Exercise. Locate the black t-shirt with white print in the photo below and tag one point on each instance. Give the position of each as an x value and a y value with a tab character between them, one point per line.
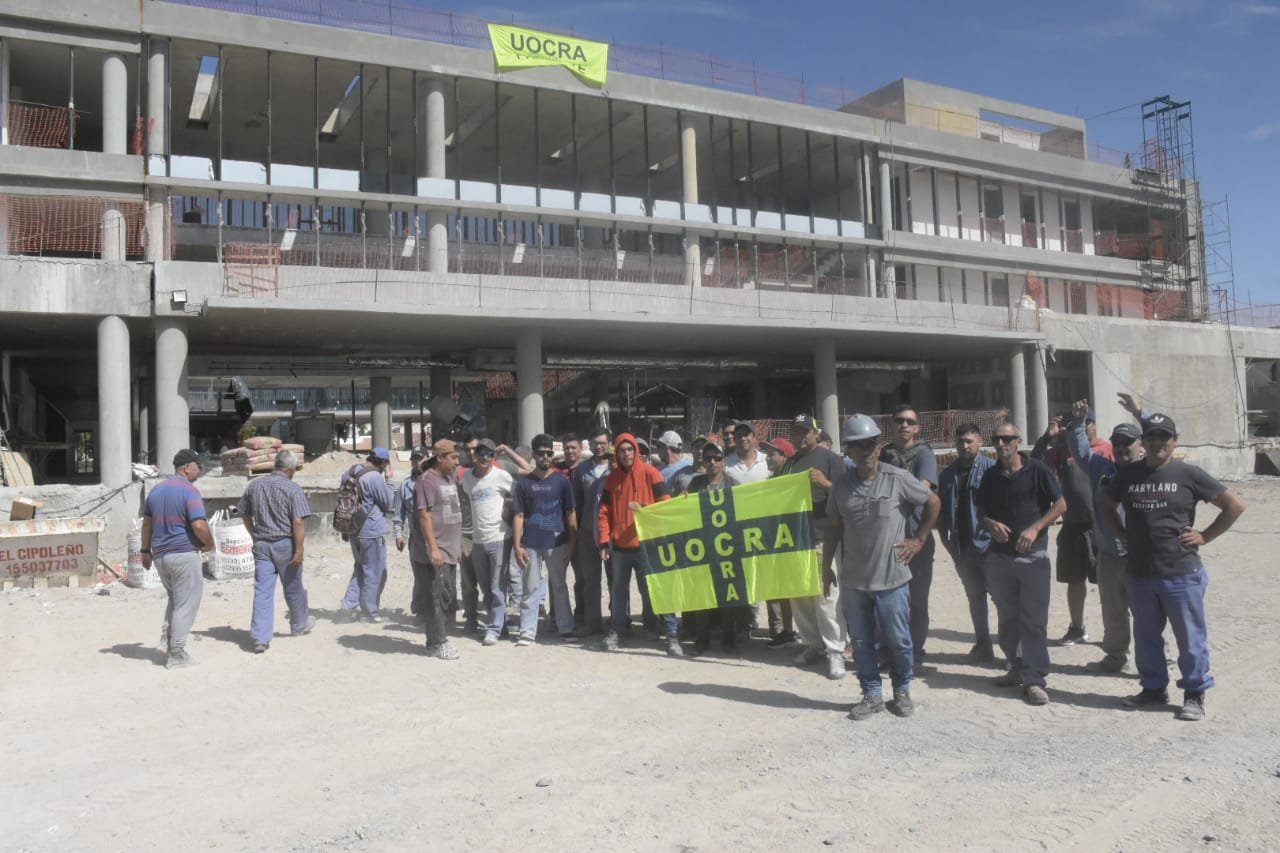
1159	503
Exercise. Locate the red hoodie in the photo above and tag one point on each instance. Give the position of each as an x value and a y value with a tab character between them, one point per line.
641	483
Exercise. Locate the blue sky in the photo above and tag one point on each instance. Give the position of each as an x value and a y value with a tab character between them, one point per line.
1088	59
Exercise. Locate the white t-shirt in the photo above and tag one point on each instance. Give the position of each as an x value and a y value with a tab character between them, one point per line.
739	473
488	496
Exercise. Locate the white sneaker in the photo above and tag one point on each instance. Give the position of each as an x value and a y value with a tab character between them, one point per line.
835	666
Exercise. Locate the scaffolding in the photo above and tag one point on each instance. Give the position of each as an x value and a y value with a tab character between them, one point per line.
1219	261
1175	267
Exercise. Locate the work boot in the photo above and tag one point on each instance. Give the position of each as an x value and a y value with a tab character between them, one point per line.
1192	709
869	706
673	648
1035	695
261	648
901	704
178	660
305	629
442	651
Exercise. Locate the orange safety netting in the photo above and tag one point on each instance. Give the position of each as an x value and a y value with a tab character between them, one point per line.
40	126
252	268
70	226
937	429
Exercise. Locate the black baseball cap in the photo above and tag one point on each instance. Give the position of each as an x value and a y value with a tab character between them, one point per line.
1160	423
1129	431
805	422
185	456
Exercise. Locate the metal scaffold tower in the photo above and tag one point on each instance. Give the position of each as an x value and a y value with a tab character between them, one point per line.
1174	273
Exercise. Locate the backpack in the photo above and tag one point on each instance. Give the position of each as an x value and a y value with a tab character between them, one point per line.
349	515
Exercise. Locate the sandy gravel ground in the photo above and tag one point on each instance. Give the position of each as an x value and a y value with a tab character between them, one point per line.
351	739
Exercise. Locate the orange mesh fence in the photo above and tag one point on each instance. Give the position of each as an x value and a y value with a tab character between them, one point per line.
68	226
39	126
937	429
252	268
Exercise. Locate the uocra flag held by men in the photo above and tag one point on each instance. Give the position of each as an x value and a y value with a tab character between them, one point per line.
737	545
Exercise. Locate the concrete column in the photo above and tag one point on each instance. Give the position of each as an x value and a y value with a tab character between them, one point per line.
437	220
173	418
380	410
824	386
115	105
1017	388
442	386
157	149
529	383
886	199
4	92
689	174
115	140
157	118
1038	418
114	442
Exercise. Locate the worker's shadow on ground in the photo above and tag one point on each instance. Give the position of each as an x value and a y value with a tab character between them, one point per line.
136	651
751	696
382	644
984	684
238	637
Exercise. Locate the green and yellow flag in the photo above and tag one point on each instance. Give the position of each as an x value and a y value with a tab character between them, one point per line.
737	545
515	47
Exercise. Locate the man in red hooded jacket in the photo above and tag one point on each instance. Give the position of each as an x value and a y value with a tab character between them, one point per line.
632	484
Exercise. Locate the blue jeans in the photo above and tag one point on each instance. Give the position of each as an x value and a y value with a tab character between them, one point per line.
370	558
1019	585
1179	601
621	565
891	609
491	581
271	559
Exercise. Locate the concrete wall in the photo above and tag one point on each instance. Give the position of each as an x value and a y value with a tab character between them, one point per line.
1184	370
60	286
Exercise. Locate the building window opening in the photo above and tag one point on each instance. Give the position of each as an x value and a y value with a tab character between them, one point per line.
86	460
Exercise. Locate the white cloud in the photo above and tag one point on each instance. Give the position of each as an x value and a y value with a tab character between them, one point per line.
1261	9
1263	132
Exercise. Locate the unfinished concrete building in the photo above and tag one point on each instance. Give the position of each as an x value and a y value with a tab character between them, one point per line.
365	213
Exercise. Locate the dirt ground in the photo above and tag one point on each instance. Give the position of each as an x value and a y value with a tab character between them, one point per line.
351	739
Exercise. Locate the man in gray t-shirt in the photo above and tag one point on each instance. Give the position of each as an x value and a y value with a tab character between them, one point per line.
867	515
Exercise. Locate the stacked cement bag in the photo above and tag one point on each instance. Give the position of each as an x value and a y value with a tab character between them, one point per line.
257	455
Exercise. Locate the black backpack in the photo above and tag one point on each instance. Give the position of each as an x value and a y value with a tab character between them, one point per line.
349	515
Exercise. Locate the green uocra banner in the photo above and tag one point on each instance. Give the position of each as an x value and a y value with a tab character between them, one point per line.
514	47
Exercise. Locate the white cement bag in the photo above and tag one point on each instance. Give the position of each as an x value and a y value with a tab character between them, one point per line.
233	548
136	575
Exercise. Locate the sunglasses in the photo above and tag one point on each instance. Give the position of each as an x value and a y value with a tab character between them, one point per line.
1007	439
544	454
864	445
713	457
907	421
483	452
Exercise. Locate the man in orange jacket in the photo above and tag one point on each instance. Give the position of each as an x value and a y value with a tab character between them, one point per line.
632	484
